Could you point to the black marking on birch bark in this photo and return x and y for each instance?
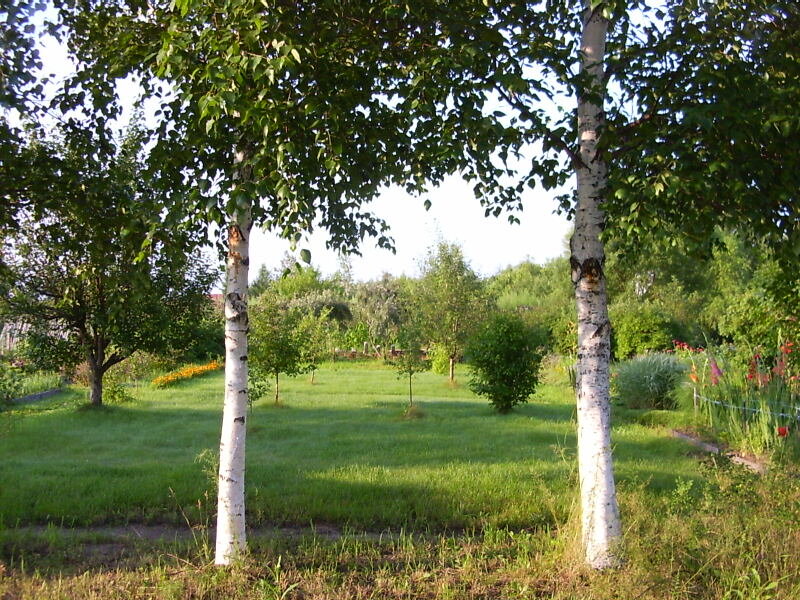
(239, 420)
(599, 331)
(243, 358)
(236, 233)
(590, 269)
(246, 262)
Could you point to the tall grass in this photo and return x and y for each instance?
(35, 383)
(756, 411)
(648, 381)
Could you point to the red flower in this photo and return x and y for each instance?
(716, 372)
(783, 431)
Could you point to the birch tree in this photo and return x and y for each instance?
(600, 521)
(290, 116)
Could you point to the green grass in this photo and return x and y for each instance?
(460, 503)
(337, 452)
(39, 382)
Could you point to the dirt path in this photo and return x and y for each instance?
(754, 465)
(31, 398)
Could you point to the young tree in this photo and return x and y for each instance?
(276, 342)
(450, 300)
(77, 271)
(410, 361)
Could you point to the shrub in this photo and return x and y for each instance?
(649, 381)
(116, 393)
(564, 333)
(505, 358)
(440, 360)
(10, 383)
(638, 329)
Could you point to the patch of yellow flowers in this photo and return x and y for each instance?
(186, 372)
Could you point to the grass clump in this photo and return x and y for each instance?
(649, 381)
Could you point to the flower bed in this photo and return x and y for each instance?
(186, 372)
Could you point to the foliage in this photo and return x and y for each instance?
(713, 125)
(260, 283)
(90, 271)
(649, 381)
(199, 334)
(258, 384)
(450, 300)
(639, 328)
(317, 332)
(276, 341)
(187, 372)
(542, 294)
(378, 305)
(440, 360)
(10, 382)
(564, 333)
(505, 359)
(117, 393)
(410, 361)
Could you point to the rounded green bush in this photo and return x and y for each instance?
(505, 356)
(648, 381)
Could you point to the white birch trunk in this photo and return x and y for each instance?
(231, 541)
(600, 520)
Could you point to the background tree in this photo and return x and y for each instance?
(450, 300)
(377, 305)
(277, 341)
(542, 295)
(410, 361)
(76, 268)
(317, 330)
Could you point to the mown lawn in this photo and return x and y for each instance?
(460, 503)
(338, 451)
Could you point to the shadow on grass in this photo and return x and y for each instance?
(461, 465)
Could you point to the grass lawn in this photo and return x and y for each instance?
(459, 503)
(338, 451)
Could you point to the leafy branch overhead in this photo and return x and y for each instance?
(329, 102)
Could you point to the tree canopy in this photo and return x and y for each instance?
(76, 267)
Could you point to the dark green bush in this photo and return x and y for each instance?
(505, 355)
(564, 333)
(638, 328)
(648, 381)
(10, 382)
